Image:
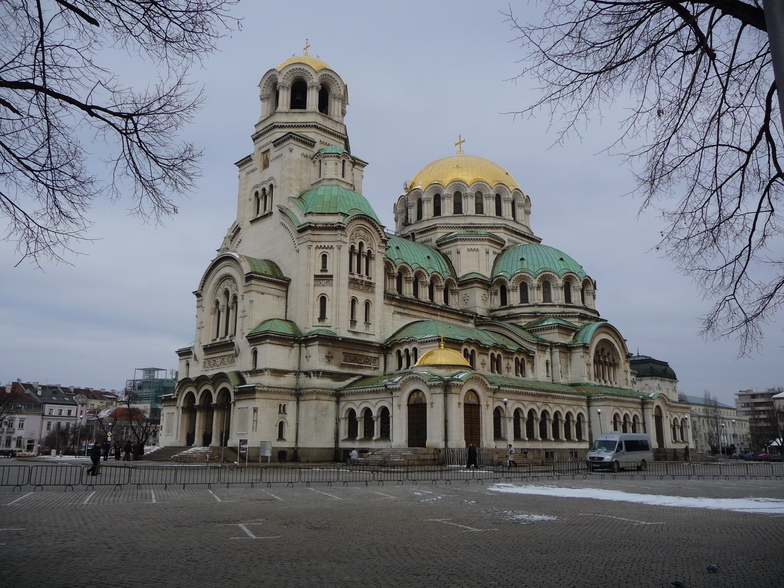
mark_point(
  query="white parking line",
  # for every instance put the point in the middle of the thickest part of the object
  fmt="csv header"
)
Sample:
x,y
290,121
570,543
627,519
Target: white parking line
x,y
214,495
86,500
448,522
275,497
20,498
250,534
326,494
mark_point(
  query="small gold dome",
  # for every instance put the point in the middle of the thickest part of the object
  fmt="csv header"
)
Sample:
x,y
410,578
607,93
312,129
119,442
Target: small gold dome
x,y
443,357
313,62
466,168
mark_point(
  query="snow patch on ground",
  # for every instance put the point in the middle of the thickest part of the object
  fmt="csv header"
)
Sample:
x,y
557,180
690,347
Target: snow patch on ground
x,y
750,504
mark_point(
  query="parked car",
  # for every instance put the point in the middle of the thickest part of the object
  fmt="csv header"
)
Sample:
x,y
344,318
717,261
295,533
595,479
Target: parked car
x,y
770,457
750,456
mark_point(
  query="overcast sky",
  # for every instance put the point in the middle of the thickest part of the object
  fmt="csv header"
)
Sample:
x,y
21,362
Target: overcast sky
x,y
419,74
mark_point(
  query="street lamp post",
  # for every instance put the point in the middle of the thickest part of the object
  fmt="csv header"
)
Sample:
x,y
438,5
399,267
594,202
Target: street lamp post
x,y
599,412
721,440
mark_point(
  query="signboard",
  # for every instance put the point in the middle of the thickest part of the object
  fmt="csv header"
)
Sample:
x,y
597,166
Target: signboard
x,y
243,447
265,450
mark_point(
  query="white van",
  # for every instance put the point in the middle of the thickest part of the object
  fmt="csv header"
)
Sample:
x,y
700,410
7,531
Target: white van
x,y
615,451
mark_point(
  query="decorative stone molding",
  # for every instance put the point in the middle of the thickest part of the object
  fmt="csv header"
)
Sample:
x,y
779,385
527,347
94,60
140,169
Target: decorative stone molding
x,y
359,359
218,362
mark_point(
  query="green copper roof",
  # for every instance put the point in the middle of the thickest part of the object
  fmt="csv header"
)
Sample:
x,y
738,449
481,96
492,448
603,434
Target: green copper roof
x,y
548,321
428,329
289,213
401,250
333,149
533,259
276,327
585,334
331,199
264,266
324,332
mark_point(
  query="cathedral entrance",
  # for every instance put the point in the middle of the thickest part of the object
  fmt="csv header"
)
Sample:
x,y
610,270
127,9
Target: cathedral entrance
x,y
417,419
471,419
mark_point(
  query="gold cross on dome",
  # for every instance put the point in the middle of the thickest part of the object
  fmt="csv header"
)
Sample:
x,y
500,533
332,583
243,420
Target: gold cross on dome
x,y
459,144
307,46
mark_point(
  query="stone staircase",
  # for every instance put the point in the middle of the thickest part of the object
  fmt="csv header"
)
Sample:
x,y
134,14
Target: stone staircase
x,y
193,454
401,456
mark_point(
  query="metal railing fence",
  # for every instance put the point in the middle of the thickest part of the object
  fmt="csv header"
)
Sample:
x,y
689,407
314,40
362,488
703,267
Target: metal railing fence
x,y
71,476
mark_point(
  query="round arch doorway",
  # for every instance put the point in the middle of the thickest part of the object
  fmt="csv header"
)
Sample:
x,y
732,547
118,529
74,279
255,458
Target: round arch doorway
x,y
417,419
472,419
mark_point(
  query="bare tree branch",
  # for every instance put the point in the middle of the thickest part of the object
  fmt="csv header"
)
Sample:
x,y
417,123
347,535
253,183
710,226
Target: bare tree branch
x,y
703,121
60,110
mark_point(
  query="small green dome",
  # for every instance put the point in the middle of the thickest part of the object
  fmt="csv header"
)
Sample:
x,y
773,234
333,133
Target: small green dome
x,y
401,250
331,199
533,259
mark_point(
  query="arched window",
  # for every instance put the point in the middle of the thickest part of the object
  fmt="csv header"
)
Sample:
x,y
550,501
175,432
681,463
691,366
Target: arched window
x,y
351,253
605,363
523,293
263,200
457,203
616,421
368,424
547,291
578,428
518,424
567,291
384,423
437,205
217,316
419,209
343,169
498,206
446,294
254,359
234,314
399,360
416,287
323,100
351,424
368,256
479,203
353,310
568,426
268,205
431,291
322,305
498,415
367,312
582,295
299,95
281,431
530,425
324,260
360,257
408,359
227,314
543,425
557,426
502,295
257,202
514,210
399,283
626,424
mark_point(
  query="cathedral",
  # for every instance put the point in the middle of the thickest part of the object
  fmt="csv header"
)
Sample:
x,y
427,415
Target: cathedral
x,y
320,330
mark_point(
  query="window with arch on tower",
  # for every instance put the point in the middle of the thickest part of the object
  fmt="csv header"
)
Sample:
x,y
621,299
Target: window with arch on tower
x,y
299,95
479,203
324,262
323,100
547,291
498,205
502,295
437,205
457,203
605,363
419,209
567,292
322,306
523,293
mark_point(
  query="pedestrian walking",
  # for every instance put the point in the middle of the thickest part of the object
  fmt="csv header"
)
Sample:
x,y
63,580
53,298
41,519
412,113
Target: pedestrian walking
x,y
472,457
95,457
105,448
510,456
127,448
117,451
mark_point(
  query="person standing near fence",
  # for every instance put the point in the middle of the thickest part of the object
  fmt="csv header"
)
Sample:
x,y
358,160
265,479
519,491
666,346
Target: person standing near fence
x,y
95,457
510,456
472,457
127,448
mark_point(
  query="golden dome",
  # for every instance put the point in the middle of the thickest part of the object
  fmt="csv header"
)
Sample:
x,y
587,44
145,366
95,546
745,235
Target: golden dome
x,y
313,62
443,357
465,168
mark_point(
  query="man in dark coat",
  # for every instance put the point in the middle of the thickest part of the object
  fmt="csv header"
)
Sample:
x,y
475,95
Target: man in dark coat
x,y
472,457
95,457
127,448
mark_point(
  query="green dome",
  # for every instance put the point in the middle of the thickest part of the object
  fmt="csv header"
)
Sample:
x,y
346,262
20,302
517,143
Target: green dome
x,y
533,259
331,199
401,250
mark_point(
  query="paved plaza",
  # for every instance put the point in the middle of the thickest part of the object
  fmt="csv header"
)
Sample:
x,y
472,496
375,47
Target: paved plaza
x,y
393,534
